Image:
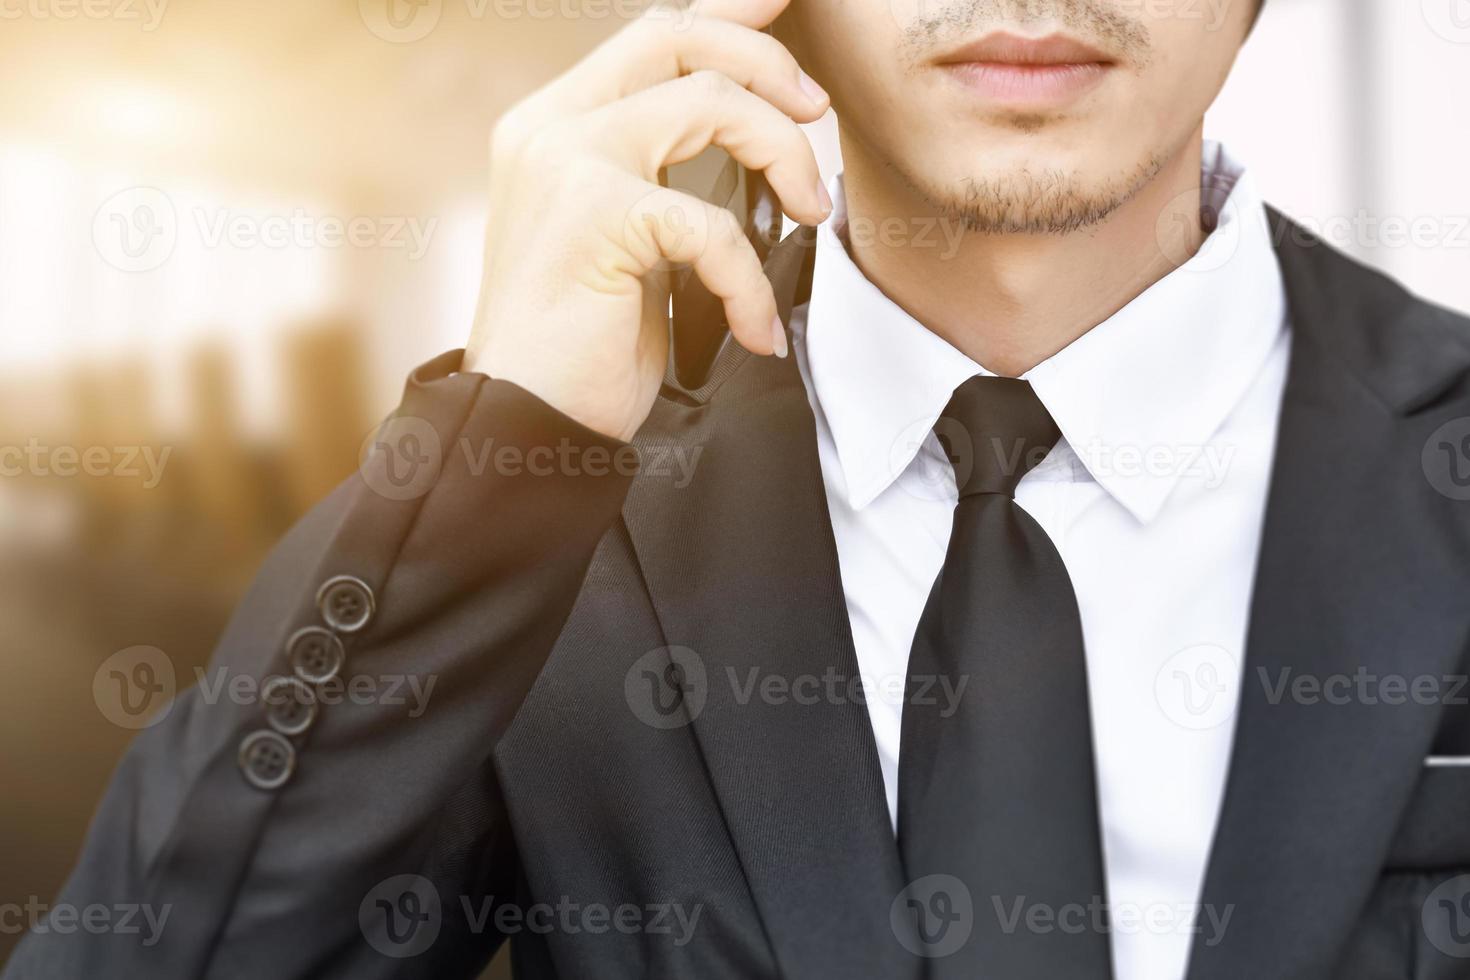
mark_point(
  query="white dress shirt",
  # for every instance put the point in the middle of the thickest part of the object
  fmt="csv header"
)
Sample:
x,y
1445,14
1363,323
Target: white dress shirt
x,y
1154,498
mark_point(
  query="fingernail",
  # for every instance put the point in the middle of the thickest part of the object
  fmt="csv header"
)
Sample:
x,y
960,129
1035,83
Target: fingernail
x,y
813,91
824,198
778,337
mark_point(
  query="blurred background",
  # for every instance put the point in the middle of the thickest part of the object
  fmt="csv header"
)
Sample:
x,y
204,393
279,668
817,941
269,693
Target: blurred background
x,y
228,228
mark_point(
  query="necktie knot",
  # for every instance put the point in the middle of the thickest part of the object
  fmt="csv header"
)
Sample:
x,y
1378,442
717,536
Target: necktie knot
x,y
994,431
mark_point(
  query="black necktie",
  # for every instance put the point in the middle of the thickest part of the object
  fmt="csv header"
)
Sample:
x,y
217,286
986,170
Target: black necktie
x,y
997,806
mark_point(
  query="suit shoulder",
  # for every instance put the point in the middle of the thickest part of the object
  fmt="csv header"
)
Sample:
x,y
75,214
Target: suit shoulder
x,y
1406,347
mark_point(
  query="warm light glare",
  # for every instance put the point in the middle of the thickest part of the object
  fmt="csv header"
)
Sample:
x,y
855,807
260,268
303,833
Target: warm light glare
x,y
137,114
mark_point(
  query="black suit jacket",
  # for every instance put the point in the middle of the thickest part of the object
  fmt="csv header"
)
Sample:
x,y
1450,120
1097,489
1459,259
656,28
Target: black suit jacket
x,y
544,606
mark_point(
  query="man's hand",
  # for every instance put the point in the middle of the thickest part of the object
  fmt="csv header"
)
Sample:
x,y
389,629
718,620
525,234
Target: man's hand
x,y
574,301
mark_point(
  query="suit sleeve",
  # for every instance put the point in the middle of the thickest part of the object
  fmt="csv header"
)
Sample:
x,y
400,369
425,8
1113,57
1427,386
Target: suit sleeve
x,y
326,805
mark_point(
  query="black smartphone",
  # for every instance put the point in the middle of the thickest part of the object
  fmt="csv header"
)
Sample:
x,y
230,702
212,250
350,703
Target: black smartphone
x,y
698,327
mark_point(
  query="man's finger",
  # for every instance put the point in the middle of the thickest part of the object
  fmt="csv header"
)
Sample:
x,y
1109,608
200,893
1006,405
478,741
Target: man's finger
x,y
667,228
675,121
655,50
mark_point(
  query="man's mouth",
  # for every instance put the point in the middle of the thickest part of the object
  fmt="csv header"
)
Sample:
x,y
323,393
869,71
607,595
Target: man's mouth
x,y
1028,73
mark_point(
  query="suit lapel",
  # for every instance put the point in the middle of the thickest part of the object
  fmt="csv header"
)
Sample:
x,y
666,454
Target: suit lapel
x,y
1361,575
742,568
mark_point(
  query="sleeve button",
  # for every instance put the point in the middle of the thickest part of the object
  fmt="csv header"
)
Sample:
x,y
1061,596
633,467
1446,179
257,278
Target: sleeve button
x,y
346,603
316,654
267,758
290,705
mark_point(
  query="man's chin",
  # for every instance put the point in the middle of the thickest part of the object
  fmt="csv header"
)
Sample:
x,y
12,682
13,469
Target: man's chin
x,y
1037,199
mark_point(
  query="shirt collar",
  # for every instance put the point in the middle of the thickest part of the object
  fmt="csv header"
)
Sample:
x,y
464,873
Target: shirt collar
x,y
1159,376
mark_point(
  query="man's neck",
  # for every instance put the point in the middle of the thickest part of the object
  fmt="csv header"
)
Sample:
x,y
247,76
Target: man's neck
x,y
1011,301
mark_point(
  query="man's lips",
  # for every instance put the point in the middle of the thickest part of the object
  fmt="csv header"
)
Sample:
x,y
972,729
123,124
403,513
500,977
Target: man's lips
x,y
1023,72
1012,49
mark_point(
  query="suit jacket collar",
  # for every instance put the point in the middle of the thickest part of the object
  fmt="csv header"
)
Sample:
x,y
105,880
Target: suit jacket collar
x,y
1406,351
1360,573
742,569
